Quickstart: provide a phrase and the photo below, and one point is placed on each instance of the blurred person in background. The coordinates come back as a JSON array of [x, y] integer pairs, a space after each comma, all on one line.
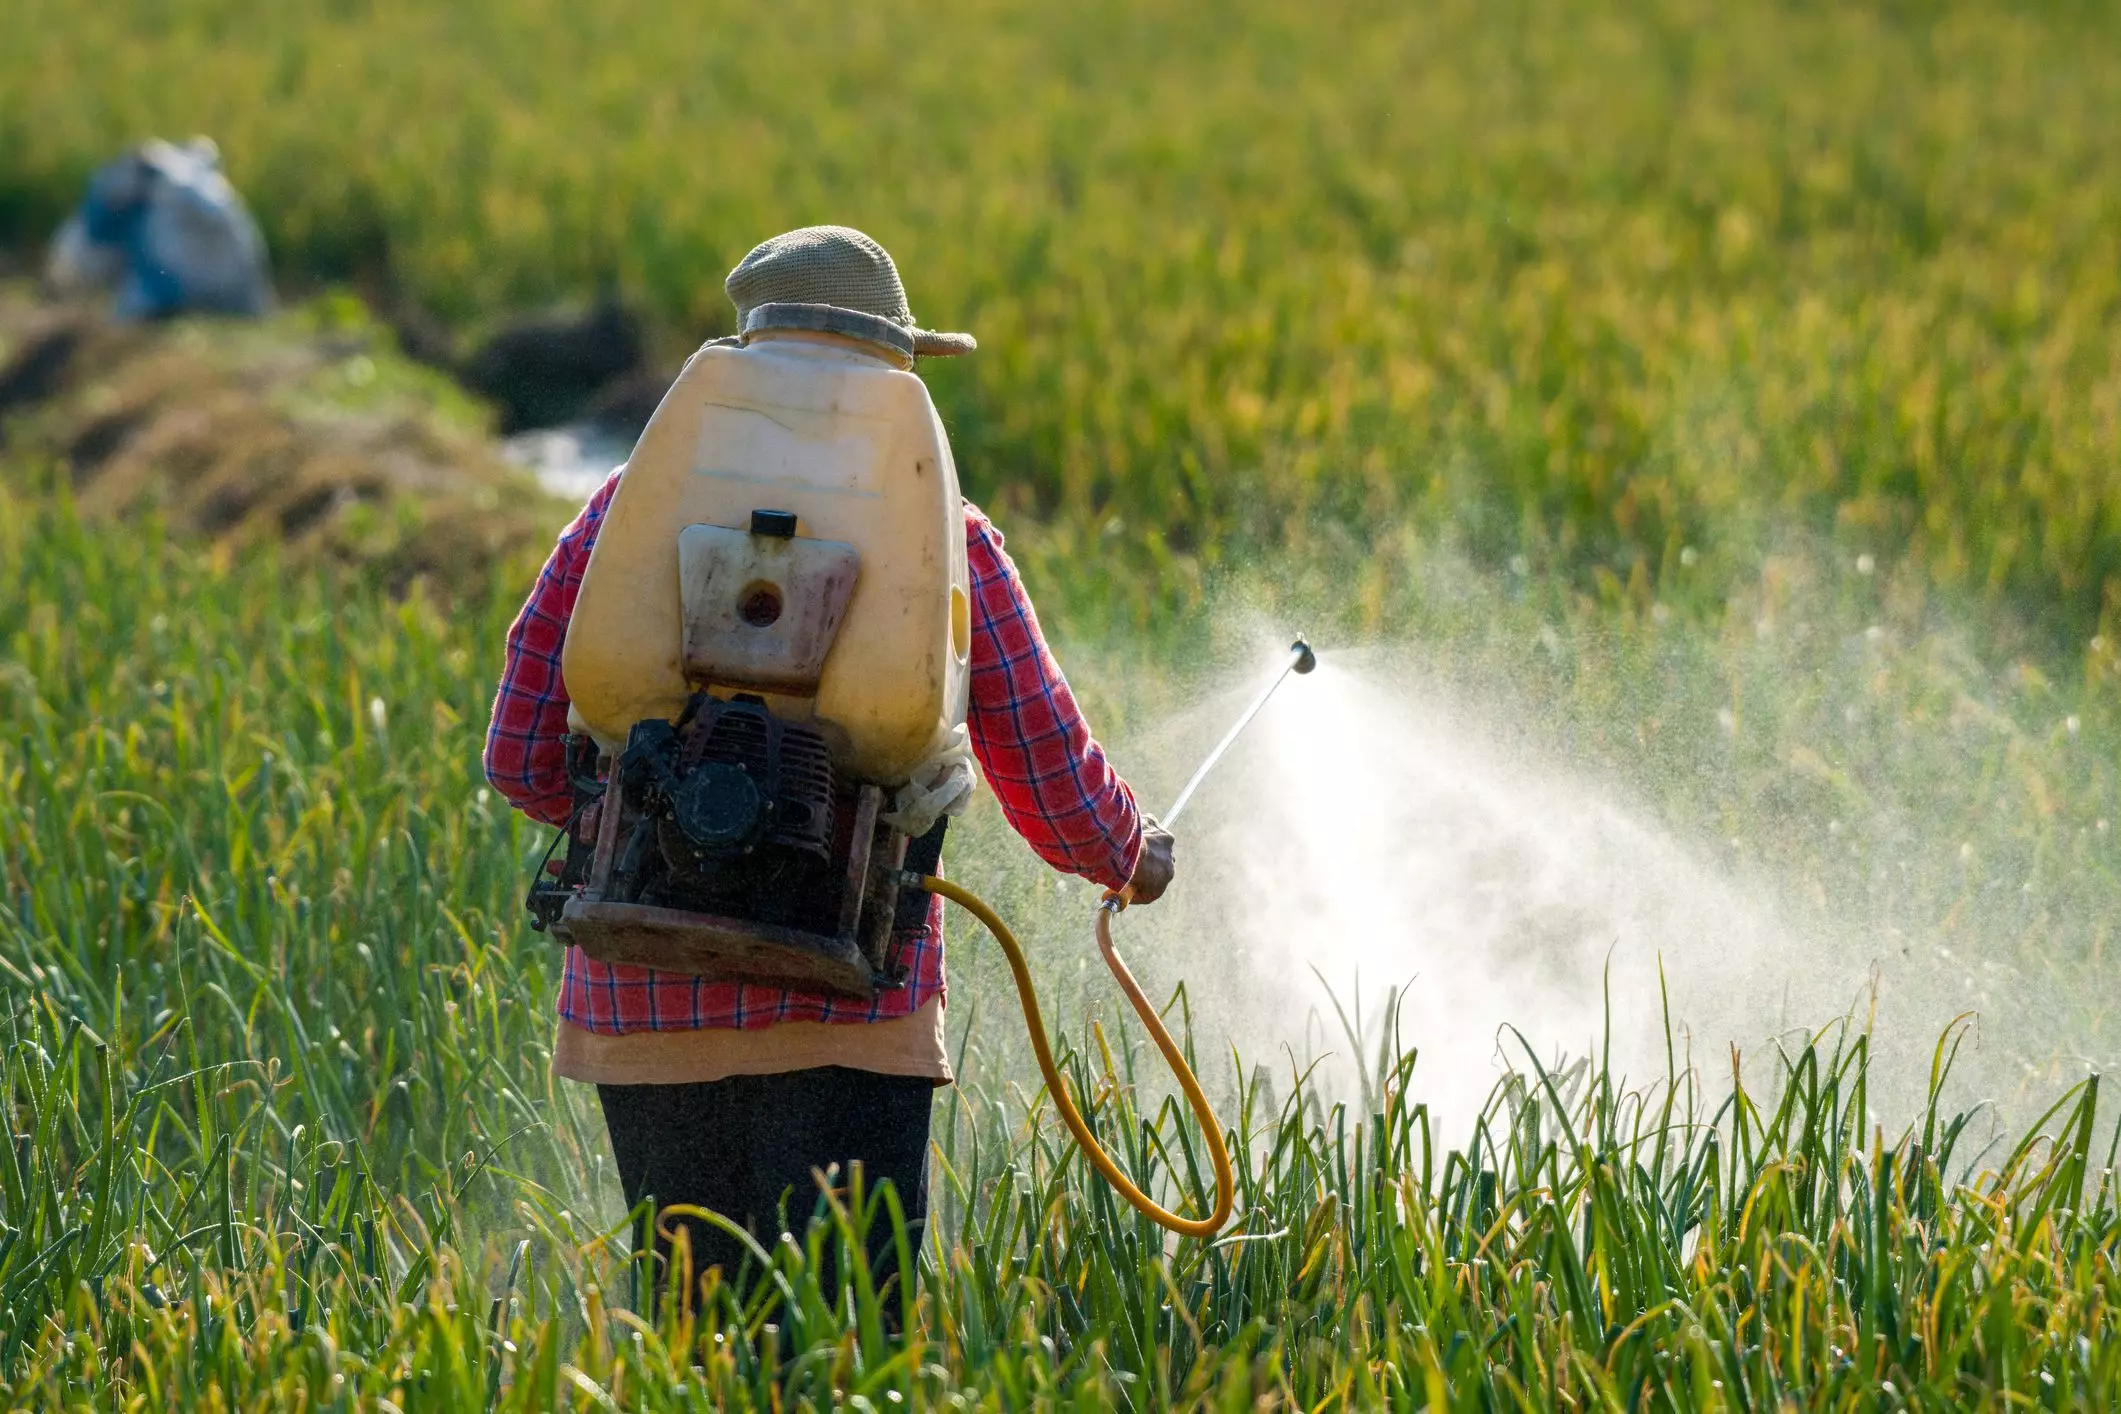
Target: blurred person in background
[[164, 232]]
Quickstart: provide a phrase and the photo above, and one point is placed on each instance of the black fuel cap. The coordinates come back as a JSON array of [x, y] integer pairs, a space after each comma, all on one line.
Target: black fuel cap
[[779, 524]]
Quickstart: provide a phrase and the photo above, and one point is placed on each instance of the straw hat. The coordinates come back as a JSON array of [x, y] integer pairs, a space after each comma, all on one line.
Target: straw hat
[[834, 280]]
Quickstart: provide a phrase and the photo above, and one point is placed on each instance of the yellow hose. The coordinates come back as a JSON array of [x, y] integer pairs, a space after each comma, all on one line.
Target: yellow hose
[[1225, 1182]]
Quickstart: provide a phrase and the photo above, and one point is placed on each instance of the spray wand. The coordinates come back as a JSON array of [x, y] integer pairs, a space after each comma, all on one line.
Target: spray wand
[[1301, 660]]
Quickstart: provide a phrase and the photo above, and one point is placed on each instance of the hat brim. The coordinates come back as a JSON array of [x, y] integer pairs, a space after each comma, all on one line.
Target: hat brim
[[856, 324], [929, 344]]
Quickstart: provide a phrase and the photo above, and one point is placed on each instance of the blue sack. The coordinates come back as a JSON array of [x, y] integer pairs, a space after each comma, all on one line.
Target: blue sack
[[162, 227]]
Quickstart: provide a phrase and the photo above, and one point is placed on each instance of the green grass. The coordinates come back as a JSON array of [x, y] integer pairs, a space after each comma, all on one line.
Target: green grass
[[282, 1133], [1587, 284]]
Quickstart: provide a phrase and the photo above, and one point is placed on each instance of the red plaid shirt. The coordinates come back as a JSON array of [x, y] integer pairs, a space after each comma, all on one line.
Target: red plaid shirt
[[1050, 777]]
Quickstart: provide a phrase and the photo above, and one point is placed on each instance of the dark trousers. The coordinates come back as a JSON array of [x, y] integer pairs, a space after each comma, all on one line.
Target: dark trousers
[[745, 1146]]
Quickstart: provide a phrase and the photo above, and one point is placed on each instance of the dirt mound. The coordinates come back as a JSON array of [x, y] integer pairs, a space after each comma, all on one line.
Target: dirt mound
[[309, 428]]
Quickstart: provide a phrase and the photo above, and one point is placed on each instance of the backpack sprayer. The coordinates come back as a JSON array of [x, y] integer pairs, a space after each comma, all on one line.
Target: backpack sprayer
[[768, 670]]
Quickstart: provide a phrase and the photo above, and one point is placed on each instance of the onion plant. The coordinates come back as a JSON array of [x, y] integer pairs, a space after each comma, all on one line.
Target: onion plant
[[280, 1132]]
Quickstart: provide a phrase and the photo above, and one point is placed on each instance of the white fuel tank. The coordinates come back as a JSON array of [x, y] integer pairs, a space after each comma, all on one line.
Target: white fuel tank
[[853, 447]]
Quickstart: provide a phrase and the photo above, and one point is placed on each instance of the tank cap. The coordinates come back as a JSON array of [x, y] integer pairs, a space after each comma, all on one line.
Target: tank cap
[[779, 524]]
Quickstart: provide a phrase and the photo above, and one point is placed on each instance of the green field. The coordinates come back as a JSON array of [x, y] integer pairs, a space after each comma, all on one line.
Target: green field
[[1587, 284], [1721, 401]]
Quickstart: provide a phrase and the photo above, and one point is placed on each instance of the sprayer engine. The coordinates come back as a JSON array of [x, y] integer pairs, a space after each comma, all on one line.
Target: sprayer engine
[[732, 812], [727, 845]]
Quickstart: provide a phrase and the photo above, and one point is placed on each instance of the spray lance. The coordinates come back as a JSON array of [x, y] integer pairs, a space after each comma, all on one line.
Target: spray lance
[[1301, 660]]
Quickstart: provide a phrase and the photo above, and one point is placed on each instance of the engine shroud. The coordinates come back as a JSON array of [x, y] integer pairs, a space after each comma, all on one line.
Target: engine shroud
[[748, 828]]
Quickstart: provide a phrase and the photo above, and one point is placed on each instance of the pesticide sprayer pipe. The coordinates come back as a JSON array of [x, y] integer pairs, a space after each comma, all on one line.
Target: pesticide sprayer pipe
[[1301, 660], [1218, 1152]]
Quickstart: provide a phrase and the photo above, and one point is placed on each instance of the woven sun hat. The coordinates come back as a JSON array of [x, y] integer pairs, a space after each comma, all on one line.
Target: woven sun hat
[[832, 280]]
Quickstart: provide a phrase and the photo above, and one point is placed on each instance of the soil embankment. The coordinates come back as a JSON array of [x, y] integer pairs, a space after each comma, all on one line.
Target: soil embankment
[[310, 428]]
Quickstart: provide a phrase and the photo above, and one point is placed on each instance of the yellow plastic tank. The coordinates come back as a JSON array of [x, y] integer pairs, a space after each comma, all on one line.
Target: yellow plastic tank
[[851, 444]]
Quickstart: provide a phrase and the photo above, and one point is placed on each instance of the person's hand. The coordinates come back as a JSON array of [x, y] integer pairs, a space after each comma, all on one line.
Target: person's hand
[[1153, 870]]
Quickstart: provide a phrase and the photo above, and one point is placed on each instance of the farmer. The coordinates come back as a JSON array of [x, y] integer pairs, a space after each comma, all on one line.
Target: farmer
[[161, 226], [756, 1087]]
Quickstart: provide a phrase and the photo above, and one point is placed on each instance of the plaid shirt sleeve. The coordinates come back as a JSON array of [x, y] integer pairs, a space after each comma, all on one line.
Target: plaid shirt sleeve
[[1050, 776], [525, 757]]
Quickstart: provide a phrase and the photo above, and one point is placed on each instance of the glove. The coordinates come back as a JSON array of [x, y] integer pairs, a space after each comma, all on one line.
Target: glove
[[941, 785]]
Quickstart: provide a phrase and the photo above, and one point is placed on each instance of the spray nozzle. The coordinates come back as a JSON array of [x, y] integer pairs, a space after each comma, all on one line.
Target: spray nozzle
[[1305, 658]]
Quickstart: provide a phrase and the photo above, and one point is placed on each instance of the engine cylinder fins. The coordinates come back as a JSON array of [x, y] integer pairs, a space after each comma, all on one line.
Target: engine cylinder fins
[[755, 788]]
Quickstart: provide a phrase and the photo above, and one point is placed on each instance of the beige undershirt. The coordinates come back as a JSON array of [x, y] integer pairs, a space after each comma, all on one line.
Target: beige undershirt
[[904, 1045]]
